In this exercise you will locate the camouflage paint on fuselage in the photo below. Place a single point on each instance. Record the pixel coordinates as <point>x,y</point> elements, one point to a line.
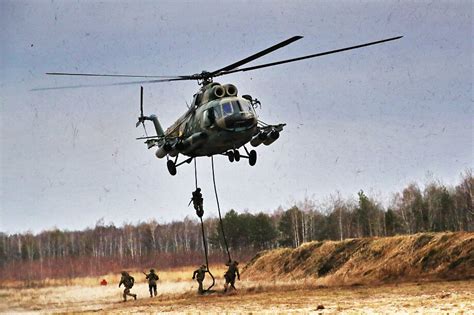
<point>234,125</point>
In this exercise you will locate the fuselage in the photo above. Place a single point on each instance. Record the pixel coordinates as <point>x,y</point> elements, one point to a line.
<point>228,122</point>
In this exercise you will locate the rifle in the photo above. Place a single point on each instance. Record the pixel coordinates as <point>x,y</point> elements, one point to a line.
<point>150,273</point>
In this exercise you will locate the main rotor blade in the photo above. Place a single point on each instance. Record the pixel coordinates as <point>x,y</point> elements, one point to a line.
<point>114,75</point>
<point>257,55</point>
<point>109,84</point>
<point>307,57</point>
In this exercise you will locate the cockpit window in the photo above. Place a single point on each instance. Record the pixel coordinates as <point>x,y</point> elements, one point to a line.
<point>227,109</point>
<point>236,106</point>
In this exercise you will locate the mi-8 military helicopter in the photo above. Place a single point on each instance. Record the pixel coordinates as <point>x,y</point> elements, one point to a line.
<point>218,121</point>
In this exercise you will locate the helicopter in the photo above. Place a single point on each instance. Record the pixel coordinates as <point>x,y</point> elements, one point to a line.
<point>218,121</point>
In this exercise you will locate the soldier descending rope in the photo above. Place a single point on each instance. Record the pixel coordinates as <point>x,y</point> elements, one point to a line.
<point>197,201</point>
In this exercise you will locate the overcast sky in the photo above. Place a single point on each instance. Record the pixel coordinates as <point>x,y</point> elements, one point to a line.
<point>375,119</point>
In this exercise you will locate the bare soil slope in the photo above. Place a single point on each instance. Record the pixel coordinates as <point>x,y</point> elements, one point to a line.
<point>423,256</point>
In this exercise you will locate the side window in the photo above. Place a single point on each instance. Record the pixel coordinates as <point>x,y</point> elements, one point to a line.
<point>205,119</point>
<point>247,106</point>
<point>227,109</point>
<point>217,111</point>
<point>208,117</point>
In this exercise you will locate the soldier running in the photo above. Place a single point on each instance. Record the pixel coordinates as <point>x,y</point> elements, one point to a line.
<point>230,274</point>
<point>197,201</point>
<point>199,275</point>
<point>152,277</point>
<point>128,281</point>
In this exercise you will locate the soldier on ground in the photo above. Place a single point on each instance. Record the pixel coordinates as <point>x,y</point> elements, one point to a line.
<point>152,277</point>
<point>199,275</point>
<point>128,281</point>
<point>230,274</point>
<point>197,202</point>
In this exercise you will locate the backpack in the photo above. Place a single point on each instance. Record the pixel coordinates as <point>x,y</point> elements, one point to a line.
<point>129,282</point>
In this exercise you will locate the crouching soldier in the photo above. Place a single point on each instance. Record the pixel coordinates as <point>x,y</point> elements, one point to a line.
<point>230,274</point>
<point>199,275</point>
<point>128,281</point>
<point>152,277</point>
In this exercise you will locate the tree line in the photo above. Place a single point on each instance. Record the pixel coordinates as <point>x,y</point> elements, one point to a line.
<point>107,248</point>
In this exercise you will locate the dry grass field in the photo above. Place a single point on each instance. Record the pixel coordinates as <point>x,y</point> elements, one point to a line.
<point>177,293</point>
<point>395,275</point>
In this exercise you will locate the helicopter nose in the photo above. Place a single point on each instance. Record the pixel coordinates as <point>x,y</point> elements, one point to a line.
<point>240,120</point>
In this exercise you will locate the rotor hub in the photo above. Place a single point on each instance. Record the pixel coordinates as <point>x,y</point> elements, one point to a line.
<point>204,78</point>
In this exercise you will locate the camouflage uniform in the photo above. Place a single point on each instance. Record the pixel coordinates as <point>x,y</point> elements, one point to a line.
<point>198,202</point>
<point>230,274</point>
<point>128,281</point>
<point>152,277</point>
<point>199,275</point>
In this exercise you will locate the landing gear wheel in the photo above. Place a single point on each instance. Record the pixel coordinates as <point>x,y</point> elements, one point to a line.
<point>230,155</point>
<point>171,167</point>
<point>252,157</point>
<point>236,155</point>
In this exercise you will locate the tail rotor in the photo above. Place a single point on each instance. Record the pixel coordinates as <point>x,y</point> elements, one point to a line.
<point>141,119</point>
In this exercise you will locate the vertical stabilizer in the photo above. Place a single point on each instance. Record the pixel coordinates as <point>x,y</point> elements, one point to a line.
<point>153,118</point>
<point>156,123</point>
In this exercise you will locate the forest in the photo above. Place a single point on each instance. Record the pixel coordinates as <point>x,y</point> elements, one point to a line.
<point>106,248</point>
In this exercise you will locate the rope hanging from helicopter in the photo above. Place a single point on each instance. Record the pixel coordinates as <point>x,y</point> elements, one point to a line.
<point>204,242</point>
<point>221,223</point>
<point>219,210</point>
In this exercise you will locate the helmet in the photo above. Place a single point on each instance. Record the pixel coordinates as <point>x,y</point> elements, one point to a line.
<point>124,273</point>
<point>152,270</point>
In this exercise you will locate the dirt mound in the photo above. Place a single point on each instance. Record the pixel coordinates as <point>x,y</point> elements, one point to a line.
<point>423,256</point>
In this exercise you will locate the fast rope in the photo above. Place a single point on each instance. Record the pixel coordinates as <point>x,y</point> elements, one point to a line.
<point>204,242</point>
<point>219,209</point>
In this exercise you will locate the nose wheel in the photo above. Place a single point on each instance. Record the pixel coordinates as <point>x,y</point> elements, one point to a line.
<point>234,155</point>
<point>230,155</point>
